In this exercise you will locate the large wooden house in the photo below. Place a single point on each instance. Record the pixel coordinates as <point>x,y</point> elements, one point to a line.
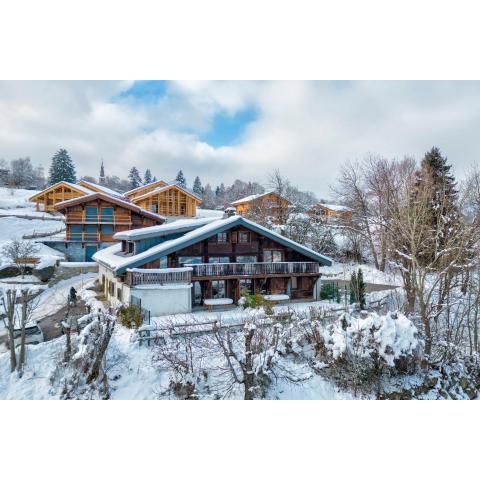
<point>268,203</point>
<point>192,263</point>
<point>47,199</point>
<point>92,221</point>
<point>143,189</point>
<point>169,200</point>
<point>327,211</point>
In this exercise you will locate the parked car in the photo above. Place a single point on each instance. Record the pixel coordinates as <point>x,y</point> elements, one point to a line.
<point>33,334</point>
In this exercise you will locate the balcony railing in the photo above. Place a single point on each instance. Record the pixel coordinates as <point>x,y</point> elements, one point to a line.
<point>166,276</point>
<point>84,236</point>
<point>81,218</point>
<point>254,269</point>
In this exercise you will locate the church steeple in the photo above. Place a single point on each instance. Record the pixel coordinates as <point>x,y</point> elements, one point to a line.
<point>101,179</point>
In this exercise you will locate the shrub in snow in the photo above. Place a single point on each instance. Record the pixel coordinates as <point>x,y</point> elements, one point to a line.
<point>131,316</point>
<point>384,338</point>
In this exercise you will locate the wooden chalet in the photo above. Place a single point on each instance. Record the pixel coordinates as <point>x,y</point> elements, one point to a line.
<point>143,189</point>
<point>217,260</point>
<point>269,203</point>
<point>95,187</point>
<point>94,219</point>
<point>330,211</point>
<point>47,199</point>
<point>170,200</point>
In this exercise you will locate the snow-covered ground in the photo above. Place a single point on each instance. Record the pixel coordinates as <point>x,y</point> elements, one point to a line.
<point>343,271</point>
<point>206,213</point>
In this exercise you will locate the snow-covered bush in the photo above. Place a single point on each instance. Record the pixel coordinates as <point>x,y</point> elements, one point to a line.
<point>387,338</point>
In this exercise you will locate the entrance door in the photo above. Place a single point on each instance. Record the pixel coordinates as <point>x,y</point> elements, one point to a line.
<point>89,251</point>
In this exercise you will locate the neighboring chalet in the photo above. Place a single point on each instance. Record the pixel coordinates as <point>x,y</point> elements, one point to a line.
<point>59,192</point>
<point>143,189</point>
<point>92,221</point>
<point>169,200</point>
<point>330,211</point>
<point>185,264</point>
<point>268,203</point>
<point>96,187</point>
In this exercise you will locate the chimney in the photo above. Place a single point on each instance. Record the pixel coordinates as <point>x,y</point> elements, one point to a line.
<point>230,212</point>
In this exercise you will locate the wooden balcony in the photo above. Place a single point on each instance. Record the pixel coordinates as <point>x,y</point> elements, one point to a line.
<point>280,269</point>
<point>153,277</point>
<point>99,219</point>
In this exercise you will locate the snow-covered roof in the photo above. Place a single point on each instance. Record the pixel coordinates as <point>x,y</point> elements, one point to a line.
<point>141,187</point>
<point>177,226</point>
<point>80,188</point>
<point>112,199</point>
<point>113,258</point>
<point>335,208</point>
<point>104,189</point>
<point>166,187</point>
<point>251,198</point>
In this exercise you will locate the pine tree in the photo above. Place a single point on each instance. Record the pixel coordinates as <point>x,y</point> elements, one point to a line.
<point>353,288</point>
<point>147,178</point>
<point>62,168</point>
<point>180,179</point>
<point>154,179</point>
<point>134,178</point>
<point>361,289</point>
<point>197,186</point>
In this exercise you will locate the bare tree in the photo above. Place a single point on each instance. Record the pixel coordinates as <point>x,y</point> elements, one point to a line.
<point>20,253</point>
<point>9,301</point>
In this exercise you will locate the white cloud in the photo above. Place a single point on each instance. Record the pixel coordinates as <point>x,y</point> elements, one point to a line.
<point>306,129</point>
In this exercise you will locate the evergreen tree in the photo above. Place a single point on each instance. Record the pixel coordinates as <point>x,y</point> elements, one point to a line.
<point>197,186</point>
<point>61,168</point>
<point>361,289</point>
<point>180,179</point>
<point>134,178</point>
<point>154,179</point>
<point>147,178</point>
<point>353,288</point>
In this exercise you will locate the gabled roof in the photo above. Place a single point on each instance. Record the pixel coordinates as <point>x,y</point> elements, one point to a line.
<point>95,187</point>
<point>111,199</point>
<point>148,185</point>
<point>112,258</point>
<point>252,198</point>
<point>165,188</point>
<point>73,186</point>
<point>177,226</point>
<point>334,208</point>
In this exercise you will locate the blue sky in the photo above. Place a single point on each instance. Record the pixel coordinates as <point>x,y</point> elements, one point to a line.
<point>224,130</point>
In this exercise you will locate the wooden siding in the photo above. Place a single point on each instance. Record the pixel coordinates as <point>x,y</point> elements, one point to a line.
<point>138,192</point>
<point>47,199</point>
<point>172,202</point>
<point>276,205</point>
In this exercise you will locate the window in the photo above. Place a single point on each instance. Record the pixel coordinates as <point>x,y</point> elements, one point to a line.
<point>243,237</point>
<point>270,256</point>
<point>119,294</point>
<point>91,232</point>
<point>107,230</point>
<point>189,260</point>
<point>219,260</point>
<point>246,258</point>
<point>294,283</point>
<point>75,232</point>
<point>222,237</point>
<point>246,286</point>
<point>218,289</point>
<point>129,247</point>
<point>107,214</point>
<point>91,214</point>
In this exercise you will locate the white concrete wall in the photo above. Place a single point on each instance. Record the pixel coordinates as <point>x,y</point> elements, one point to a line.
<point>109,276</point>
<point>164,300</point>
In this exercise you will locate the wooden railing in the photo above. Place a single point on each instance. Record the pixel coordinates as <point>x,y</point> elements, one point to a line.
<point>81,218</point>
<point>252,269</point>
<point>176,275</point>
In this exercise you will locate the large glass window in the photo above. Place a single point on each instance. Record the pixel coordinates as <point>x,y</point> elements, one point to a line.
<point>75,232</point>
<point>218,259</point>
<point>246,258</point>
<point>272,256</point>
<point>246,286</point>
<point>189,260</point>
<point>107,214</point>
<point>218,289</point>
<point>91,232</point>
<point>107,230</point>
<point>243,237</point>
<point>222,237</point>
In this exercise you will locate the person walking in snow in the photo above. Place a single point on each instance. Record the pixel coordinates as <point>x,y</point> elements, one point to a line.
<point>72,297</point>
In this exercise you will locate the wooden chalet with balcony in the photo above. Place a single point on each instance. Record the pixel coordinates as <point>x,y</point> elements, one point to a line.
<point>47,199</point>
<point>265,204</point>
<point>93,220</point>
<point>193,263</point>
<point>169,200</point>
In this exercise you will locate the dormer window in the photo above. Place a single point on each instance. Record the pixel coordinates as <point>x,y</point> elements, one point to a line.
<point>129,247</point>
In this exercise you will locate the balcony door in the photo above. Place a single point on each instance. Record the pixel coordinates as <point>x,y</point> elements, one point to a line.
<point>107,214</point>
<point>91,233</point>
<point>91,214</point>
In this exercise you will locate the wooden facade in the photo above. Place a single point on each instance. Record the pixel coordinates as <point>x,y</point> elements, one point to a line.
<point>47,199</point>
<point>143,189</point>
<point>330,212</point>
<point>236,261</point>
<point>271,203</point>
<point>97,217</point>
<point>170,201</point>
